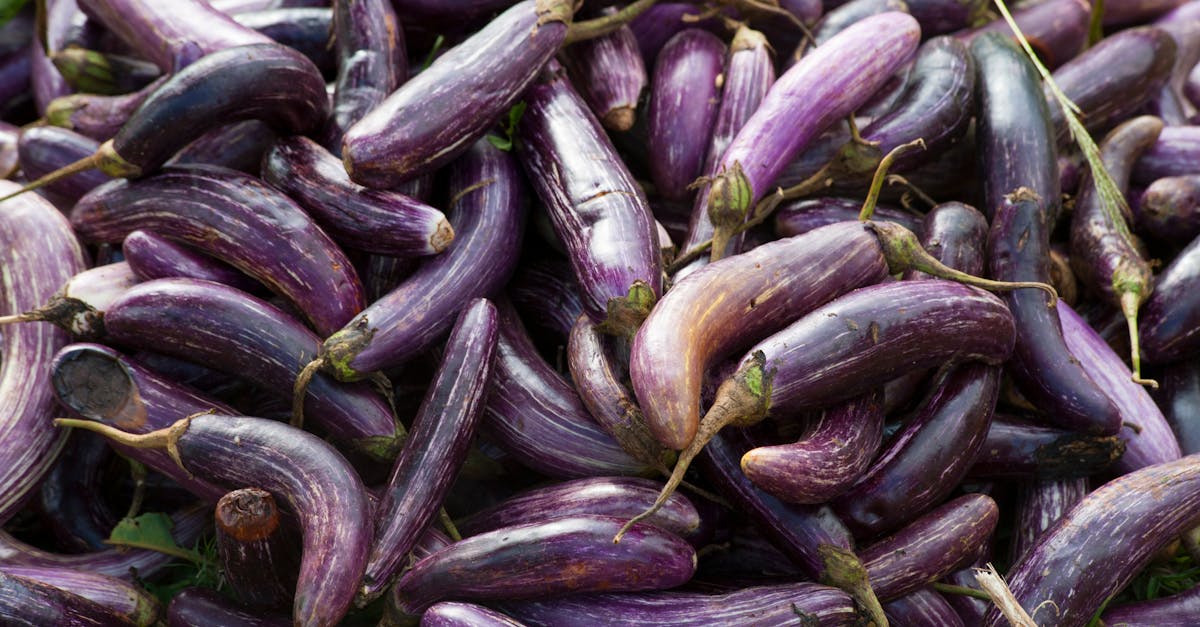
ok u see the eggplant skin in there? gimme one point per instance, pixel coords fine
(1170, 329)
(24, 601)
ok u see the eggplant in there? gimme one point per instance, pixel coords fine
(1177, 610)
(93, 72)
(921, 608)
(1169, 209)
(1040, 504)
(372, 62)
(39, 253)
(801, 216)
(256, 550)
(661, 21)
(46, 81)
(151, 256)
(70, 499)
(1101, 543)
(843, 16)
(566, 555)
(1124, 12)
(609, 73)
(127, 600)
(98, 117)
(1018, 448)
(1169, 331)
(305, 29)
(595, 206)
(1179, 399)
(939, 17)
(414, 131)
(452, 614)
(230, 216)
(43, 149)
(1174, 154)
(78, 306)
(436, 448)
(298, 468)
(684, 96)
(201, 607)
(239, 146)
(547, 295)
(25, 601)
(1057, 30)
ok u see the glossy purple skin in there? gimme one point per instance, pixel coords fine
(236, 219)
(660, 22)
(1056, 29)
(922, 608)
(115, 562)
(768, 605)
(798, 531)
(442, 432)
(684, 96)
(597, 209)
(95, 116)
(238, 146)
(687, 332)
(928, 457)
(258, 557)
(233, 7)
(47, 82)
(121, 597)
(1098, 547)
(43, 149)
(451, 614)
(607, 496)
(171, 37)
(956, 234)
(1175, 154)
(535, 415)
(1015, 448)
(267, 82)
(939, 17)
(801, 216)
(840, 18)
(609, 73)
(226, 329)
(448, 11)
(1040, 503)
(488, 224)
(1042, 365)
(829, 458)
(376, 221)
(1177, 610)
(1124, 12)
(1169, 209)
(71, 501)
(79, 305)
(372, 62)
(304, 28)
(25, 601)
(1180, 402)
(931, 547)
(151, 256)
(39, 253)
(877, 333)
(1170, 321)
(413, 131)
(566, 555)
(202, 607)
(1148, 437)
(1112, 79)
(547, 295)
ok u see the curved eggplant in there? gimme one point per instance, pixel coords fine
(257, 556)
(372, 62)
(127, 600)
(202, 607)
(1040, 504)
(1169, 209)
(452, 614)
(609, 73)
(43, 149)
(78, 306)
(801, 216)
(151, 256)
(25, 601)
(1171, 318)
(1016, 448)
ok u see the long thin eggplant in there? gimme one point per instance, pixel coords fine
(43, 149)
(441, 112)
(1179, 399)
(442, 433)
(1056, 29)
(454, 614)
(1171, 318)
(1018, 448)
(1040, 504)
(258, 559)
(802, 216)
(201, 607)
(372, 62)
(25, 601)
(151, 256)
(231, 216)
(609, 73)
(123, 598)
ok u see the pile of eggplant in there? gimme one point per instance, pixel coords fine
(483, 312)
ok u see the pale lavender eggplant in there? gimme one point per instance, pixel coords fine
(487, 212)
(25, 601)
(606, 496)
(1169, 209)
(239, 146)
(376, 221)
(202, 607)
(1103, 542)
(609, 73)
(452, 614)
(932, 546)
(1017, 448)
(761, 606)
(801, 216)
(256, 548)
(174, 36)
(547, 295)
(304, 28)
(123, 598)
(442, 111)
(39, 253)
(830, 457)
(535, 415)
(231, 216)
(1056, 29)
(1040, 503)
(436, 448)
(95, 116)
(1177, 610)
(44, 149)
(923, 608)
(151, 256)
(1170, 329)
(371, 58)
(1180, 402)
(597, 209)
(566, 555)
(685, 93)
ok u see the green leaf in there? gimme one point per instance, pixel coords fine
(151, 531)
(503, 143)
(510, 128)
(437, 45)
(10, 8)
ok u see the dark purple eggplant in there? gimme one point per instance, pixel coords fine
(127, 600)
(449, 12)
(71, 500)
(93, 72)
(1179, 399)
(955, 234)
(98, 117)
(238, 146)
(609, 73)
(305, 29)
(597, 209)
(1098, 546)
(43, 149)
(843, 16)
(1174, 154)
(452, 614)
(1125, 12)
(1170, 329)
(547, 295)
(25, 601)
(1177, 610)
(17, 55)
(1056, 29)
(1040, 503)
(151, 256)
(372, 62)
(684, 96)
(1016, 448)
(39, 253)
(377, 221)
(931, 547)
(447, 107)
(298, 468)
(565, 555)
(202, 607)
(487, 211)
(231, 216)
(78, 306)
(436, 448)
(923, 608)
(1169, 209)
(778, 604)
(256, 549)
(802, 216)
(939, 17)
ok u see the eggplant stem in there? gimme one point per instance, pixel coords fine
(166, 438)
(1130, 301)
(300, 390)
(868, 208)
(896, 179)
(383, 385)
(843, 570)
(695, 253)
(448, 525)
(964, 591)
(29, 316)
(1002, 596)
(89, 162)
(137, 470)
(600, 26)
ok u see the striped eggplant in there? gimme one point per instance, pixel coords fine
(239, 146)
(1169, 209)
(43, 149)
(127, 600)
(304, 28)
(801, 216)
(151, 256)
(372, 62)
(1018, 448)
(547, 295)
(256, 549)
(1170, 330)
(1041, 503)
(78, 306)
(1056, 29)
(609, 73)
(454, 614)
(1177, 610)
(25, 601)
(442, 111)
(232, 217)
(921, 608)
(1174, 154)
(201, 607)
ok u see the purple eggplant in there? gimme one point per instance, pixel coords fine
(1018, 448)
(372, 62)
(452, 614)
(565, 555)
(232, 217)
(98, 117)
(436, 448)
(441, 112)
(1100, 544)
(684, 96)
(595, 206)
(25, 601)
(1056, 29)
(125, 599)
(802, 216)
(1125, 12)
(93, 72)
(449, 12)
(377, 221)
(609, 73)
(70, 499)
(239, 146)
(304, 28)
(151, 256)
(1170, 330)
(202, 607)
(47, 82)
(922, 608)
(487, 211)
(547, 295)
(1040, 504)
(1174, 154)
(17, 57)
(1179, 399)
(1177, 610)
(840, 18)
(660, 22)
(256, 549)
(78, 306)
(43, 149)
(939, 17)
(1169, 209)
(298, 468)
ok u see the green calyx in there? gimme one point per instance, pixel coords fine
(626, 313)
